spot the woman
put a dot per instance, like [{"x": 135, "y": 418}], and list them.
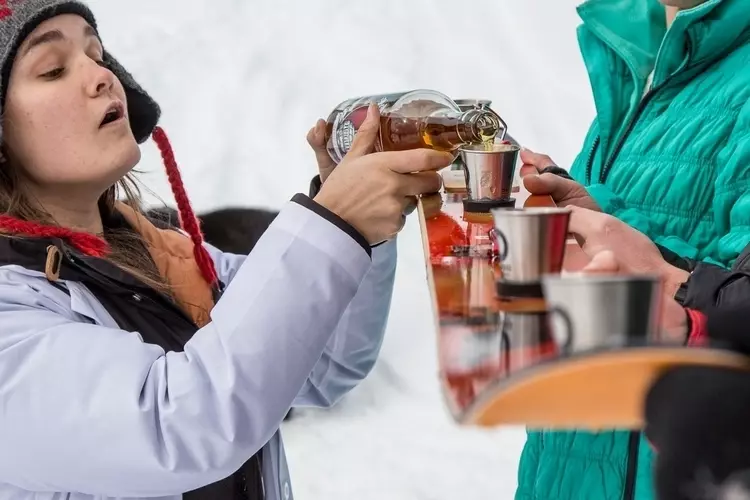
[
  {"x": 667, "y": 153},
  {"x": 136, "y": 361}
]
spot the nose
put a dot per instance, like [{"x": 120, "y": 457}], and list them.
[{"x": 100, "y": 81}]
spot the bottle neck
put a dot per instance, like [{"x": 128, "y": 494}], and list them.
[{"x": 478, "y": 125}]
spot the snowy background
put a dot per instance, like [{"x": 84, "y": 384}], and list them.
[{"x": 240, "y": 82}]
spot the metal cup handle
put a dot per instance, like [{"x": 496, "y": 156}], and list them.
[
  {"x": 496, "y": 236},
  {"x": 566, "y": 346}
]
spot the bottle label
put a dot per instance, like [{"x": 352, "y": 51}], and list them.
[{"x": 349, "y": 117}]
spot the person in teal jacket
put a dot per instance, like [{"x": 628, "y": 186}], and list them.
[{"x": 669, "y": 154}]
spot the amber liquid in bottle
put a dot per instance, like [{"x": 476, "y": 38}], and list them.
[{"x": 443, "y": 133}]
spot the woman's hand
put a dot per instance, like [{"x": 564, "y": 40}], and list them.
[
  {"x": 316, "y": 138},
  {"x": 372, "y": 191}
]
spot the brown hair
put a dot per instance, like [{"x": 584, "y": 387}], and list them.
[{"x": 128, "y": 250}]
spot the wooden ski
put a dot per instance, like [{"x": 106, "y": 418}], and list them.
[{"x": 487, "y": 380}]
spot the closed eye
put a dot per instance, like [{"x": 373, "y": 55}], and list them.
[
  {"x": 58, "y": 72},
  {"x": 55, "y": 73}
]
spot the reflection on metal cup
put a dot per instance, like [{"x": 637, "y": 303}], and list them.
[
  {"x": 526, "y": 341},
  {"x": 489, "y": 170},
  {"x": 530, "y": 241},
  {"x": 595, "y": 312}
]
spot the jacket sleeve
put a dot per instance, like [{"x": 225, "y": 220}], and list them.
[
  {"x": 354, "y": 347},
  {"x": 711, "y": 286},
  {"x": 94, "y": 410}
]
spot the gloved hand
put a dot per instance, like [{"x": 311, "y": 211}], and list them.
[{"x": 698, "y": 418}]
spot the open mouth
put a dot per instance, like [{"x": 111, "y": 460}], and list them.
[{"x": 115, "y": 112}]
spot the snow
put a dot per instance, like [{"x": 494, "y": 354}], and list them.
[{"x": 241, "y": 82}]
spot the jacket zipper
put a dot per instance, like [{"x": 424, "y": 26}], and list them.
[
  {"x": 590, "y": 160},
  {"x": 633, "y": 120},
  {"x": 252, "y": 488},
  {"x": 241, "y": 488},
  {"x": 634, "y": 441},
  {"x": 631, "y": 124},
  {"x": 621, "y": 141}
]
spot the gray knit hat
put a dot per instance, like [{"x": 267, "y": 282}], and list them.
[{"x": 18, "y": 18}]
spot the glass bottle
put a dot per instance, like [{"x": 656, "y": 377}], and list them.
[{"x": 411, "y": 120}]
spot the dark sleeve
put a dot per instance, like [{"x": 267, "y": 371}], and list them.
[
  {"x": 334, "y": 219},
  {"x": 676, "y": 260},
  {"x": 315, "y": 184},
  {"x": 711, "y": 286},
  {"x": 722, "y": 327},
  {"x": 727, "y": 327}
]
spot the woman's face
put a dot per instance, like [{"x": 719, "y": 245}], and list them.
[{"x": 65, "y": 122}]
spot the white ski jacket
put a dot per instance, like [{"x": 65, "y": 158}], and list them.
[{"x": 89, "y": 411}]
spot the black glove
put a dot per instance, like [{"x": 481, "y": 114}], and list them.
[{"x": 698, "y": 420}]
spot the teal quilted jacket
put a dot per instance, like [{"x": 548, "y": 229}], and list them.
[{"x": 672, "y": 160}]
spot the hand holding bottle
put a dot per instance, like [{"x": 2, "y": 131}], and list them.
[
  {"x": 371, "y": 191},
  {"x": 316, "y": 138}
]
